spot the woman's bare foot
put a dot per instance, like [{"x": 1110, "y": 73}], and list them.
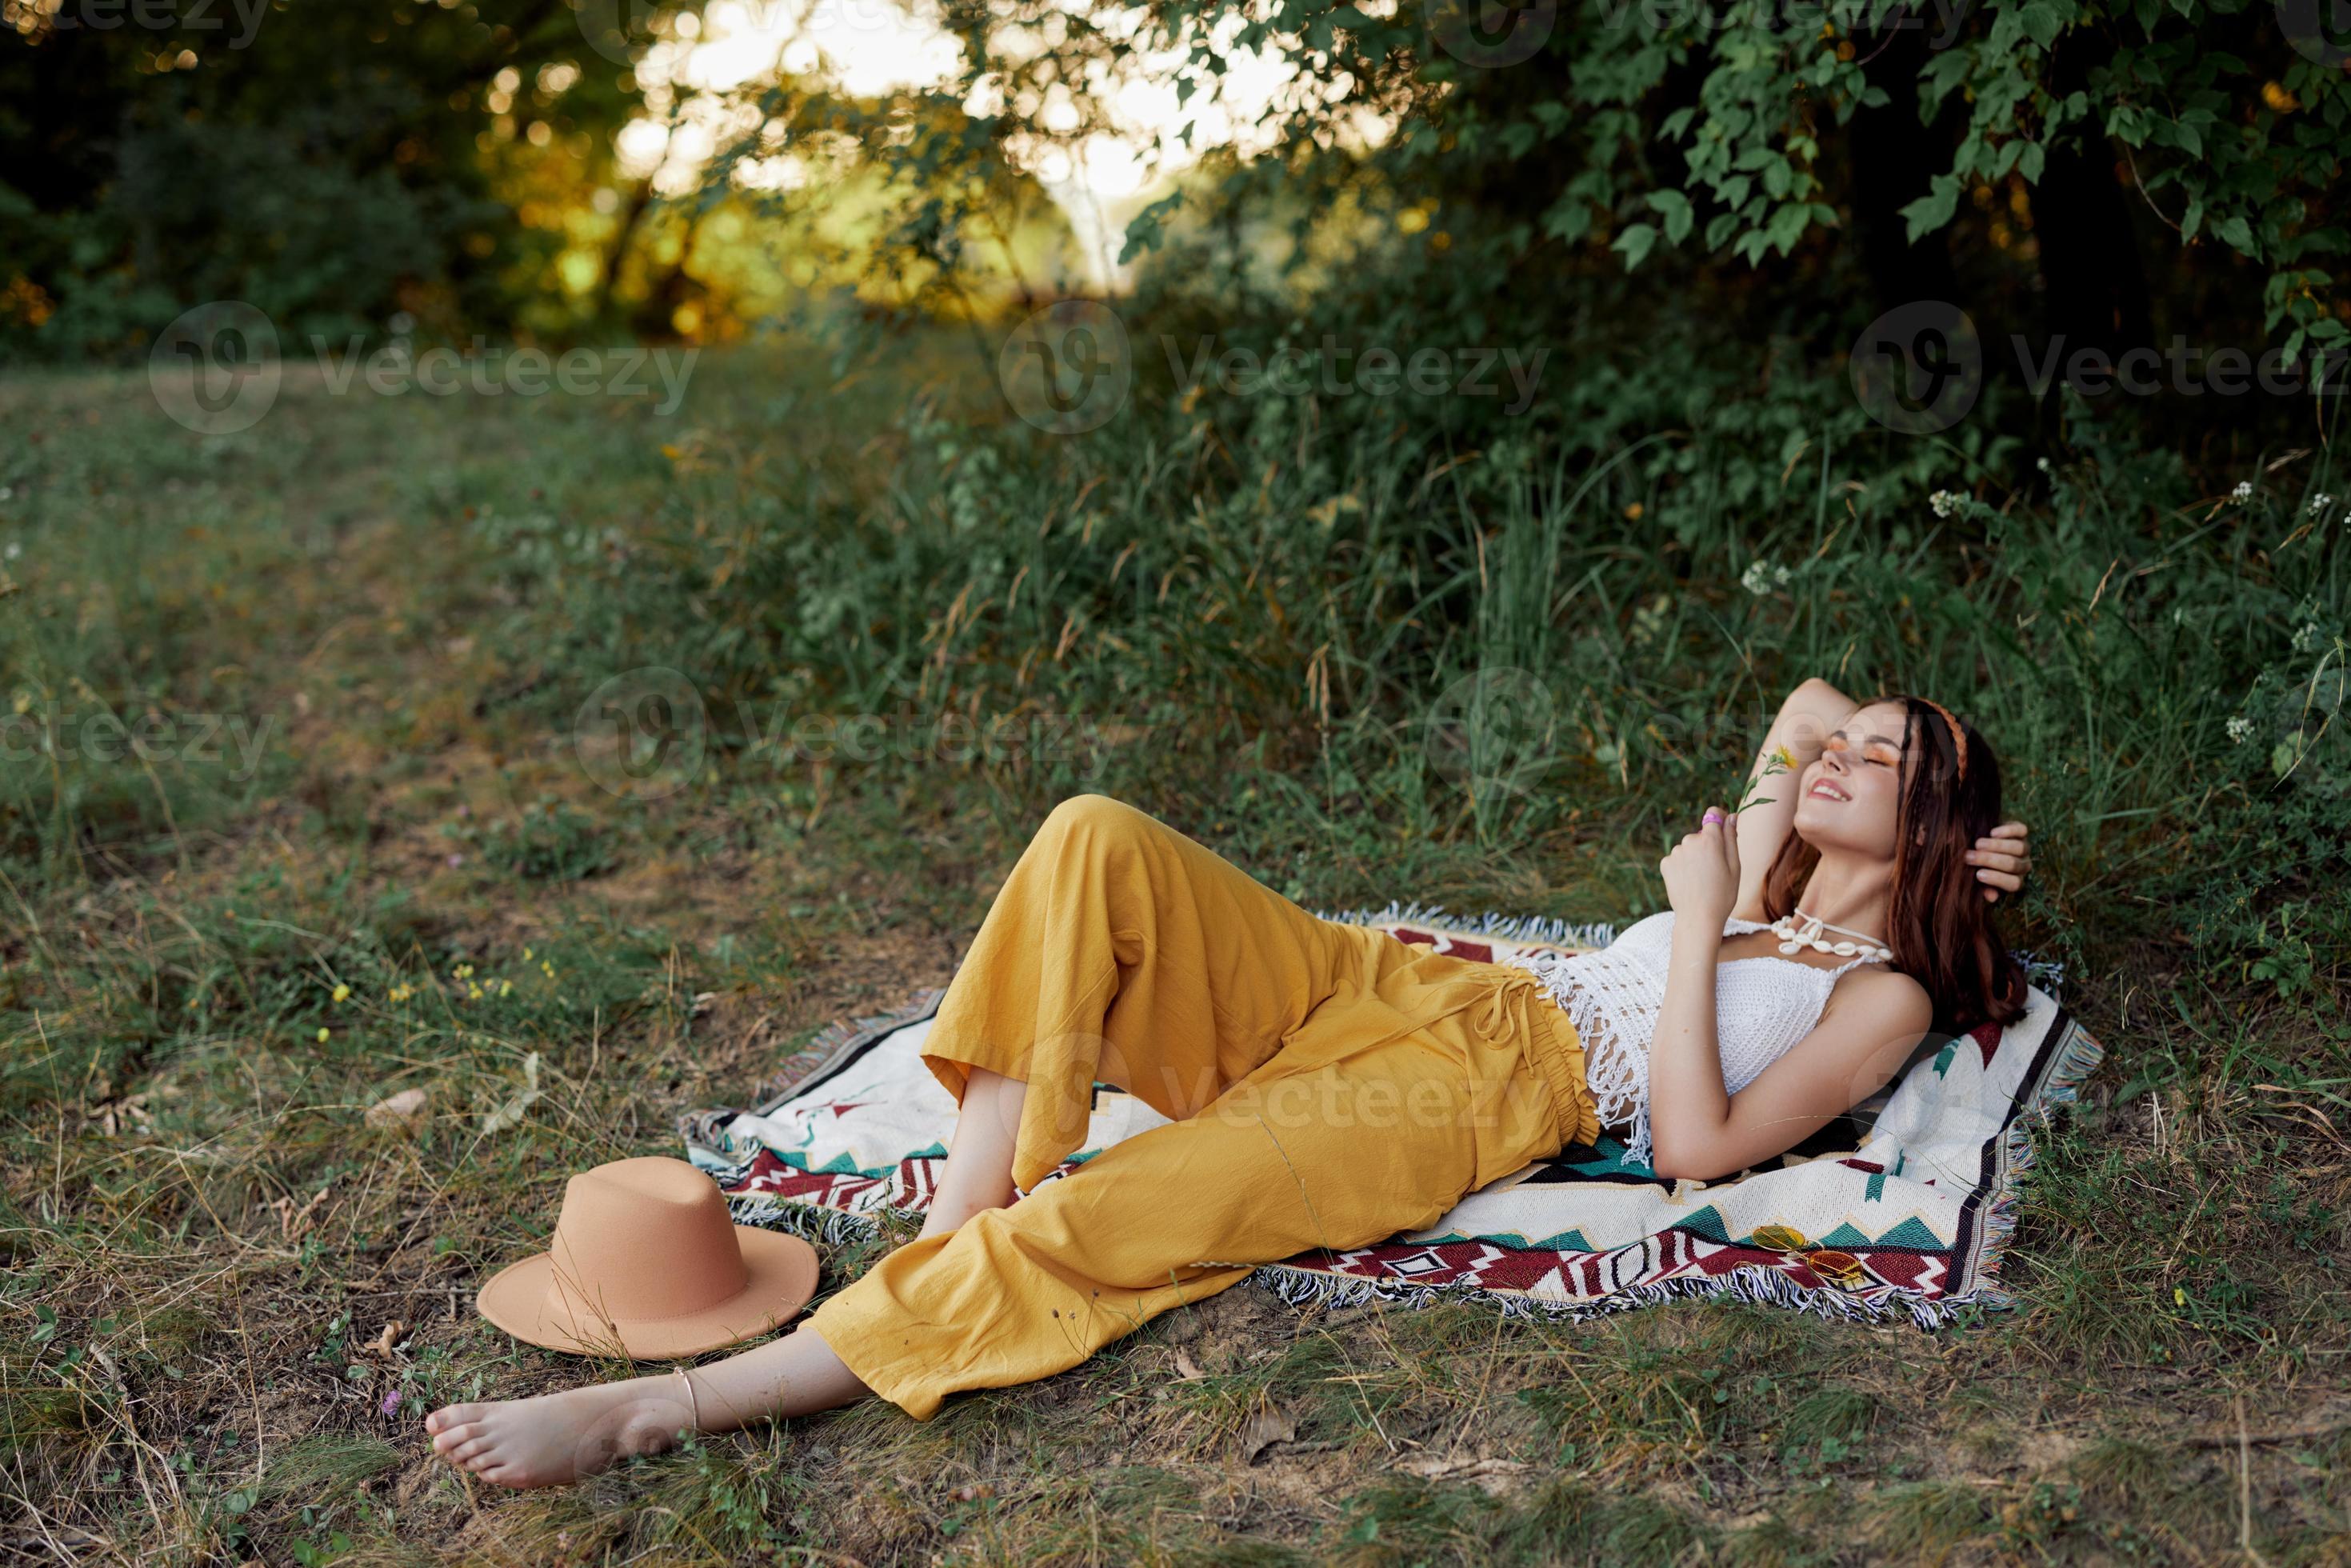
[{"x": 559, "y": 1437}]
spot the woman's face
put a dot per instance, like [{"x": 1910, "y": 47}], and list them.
[{"x": 1851, "y": 798}]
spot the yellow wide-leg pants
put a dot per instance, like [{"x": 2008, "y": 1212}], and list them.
[{"x": 1327, "y": 1085}]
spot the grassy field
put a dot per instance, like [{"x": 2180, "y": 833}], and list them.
[{"x": 359, "y": 852}]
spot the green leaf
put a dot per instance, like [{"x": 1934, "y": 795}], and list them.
[
  {"x": 1677, "y": 212},
  {"x": 1636, "y": 242},
  {"x": 1933, "y": 211},
  {"x": 1788, "y": 226}
]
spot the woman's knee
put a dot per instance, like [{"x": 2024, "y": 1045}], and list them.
[{"x": 1096, "y": 815}]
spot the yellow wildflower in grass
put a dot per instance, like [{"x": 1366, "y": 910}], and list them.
[
  {"x": 323, "y": 1035},
  {"x": 342, "y": 993},
  {"x": 399, "y": 994}
]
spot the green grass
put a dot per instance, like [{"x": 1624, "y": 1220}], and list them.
[{"x": 1246, "y": 621}]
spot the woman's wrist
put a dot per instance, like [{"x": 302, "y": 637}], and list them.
[{"x": 1698, "y": 931}]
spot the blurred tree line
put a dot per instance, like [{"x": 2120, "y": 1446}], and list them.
[
  {"x": 2089, "y": 175},
  {"x": 334, "y": 162},
  {"x": 2106, "y": 174}
]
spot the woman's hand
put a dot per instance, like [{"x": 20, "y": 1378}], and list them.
[
  {"x": 1702, "y": 872},
  {"x": 2000, "y": 859}
]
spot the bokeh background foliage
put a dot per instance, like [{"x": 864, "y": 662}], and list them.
[{"x": 2113, "y": 173}]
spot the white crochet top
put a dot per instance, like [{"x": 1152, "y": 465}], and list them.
[{"x": 1762, "y": 1006}]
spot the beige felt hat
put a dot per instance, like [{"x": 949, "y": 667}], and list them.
[{"x": 646, "y": 1263}]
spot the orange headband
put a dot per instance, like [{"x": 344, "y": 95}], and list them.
[{"x": 1958, "y": 736}]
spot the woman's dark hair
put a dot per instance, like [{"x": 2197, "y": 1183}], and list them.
[{"x": 1940, "y": 926}]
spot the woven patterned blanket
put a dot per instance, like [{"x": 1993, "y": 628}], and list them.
[{"x": 1900, "y": 1209}]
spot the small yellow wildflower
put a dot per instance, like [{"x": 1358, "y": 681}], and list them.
[
  {"x": 525, "y": 954},
  {"x": 323, "y": 1034},
  {"x": 2178, "y": 1297},
  {"x": 473, "y": 993},
  {"x": 399, "y": 993},
  {"x": 462, "y": 972},
  {"x": 342, "y": 993}
]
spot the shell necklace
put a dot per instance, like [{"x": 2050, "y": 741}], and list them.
[{"x": 1798, "y": 931}]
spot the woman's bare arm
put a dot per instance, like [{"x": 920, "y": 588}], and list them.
[
  {"x": 1802, "y": 727},
  {"x": 1874, "y": 1019},
  {"x": 1686, "y": 1103}
]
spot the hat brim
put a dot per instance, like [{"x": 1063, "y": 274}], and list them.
[{"x": 783, "y": 1270}]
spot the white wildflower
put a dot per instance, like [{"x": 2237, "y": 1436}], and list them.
[
  {"x": 2242, "y": 493},
  {"x": 13, "y": 551},
  {"x": 2241, "y": 730},
  {"x": 2044, "y": 466},
  {"x": 2306, "y": 636},
  {"x": 1762, "y": 576},
  {"x": 2320, "y": 504},
  {"x": 1945, "y": 502}
]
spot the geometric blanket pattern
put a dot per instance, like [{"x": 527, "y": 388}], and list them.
[{"x": 1900, "y": 1210}]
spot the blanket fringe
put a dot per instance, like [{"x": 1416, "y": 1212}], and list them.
[
  {"x": 810, "y": 1222},
  {"x": 1493, "y": 923},
  {"x": 2077, "y": 1056},
  {"x": 1763, "y": 1286}
]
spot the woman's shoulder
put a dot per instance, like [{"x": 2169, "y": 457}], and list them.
[
  {"x": 1885, "y": 993},
  {"x": 1648, "y": 925}
]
